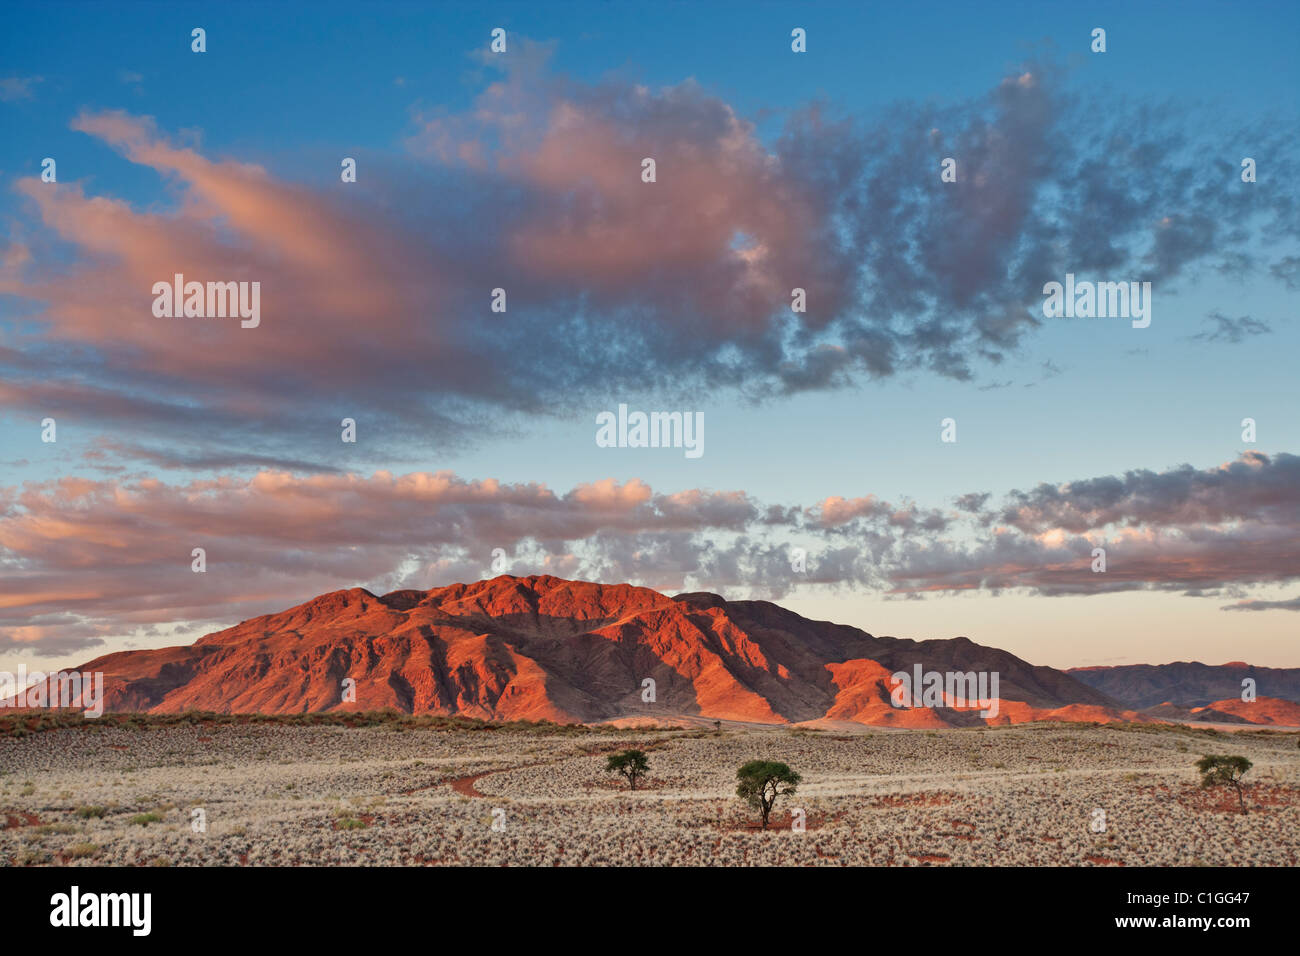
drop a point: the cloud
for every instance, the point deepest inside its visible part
(14, 88)
(1287, 271)
(105, 453)
(85, 559)
(1290, 605)
(375, 295)
(1183, 529)
(1254, 488)
(1233, 331)
(107, 555)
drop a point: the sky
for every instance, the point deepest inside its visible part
(523, 170)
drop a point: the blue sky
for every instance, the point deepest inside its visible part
(292, 88)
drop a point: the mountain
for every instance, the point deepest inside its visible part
(1189, 684)
(545, 648)
(1261, 710)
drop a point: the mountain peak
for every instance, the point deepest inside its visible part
(702, 599)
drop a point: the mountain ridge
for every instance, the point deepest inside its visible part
(1189, 684)
(542, 647)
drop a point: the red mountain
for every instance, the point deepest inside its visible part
(542, 647)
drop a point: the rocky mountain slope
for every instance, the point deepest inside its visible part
(545, 648)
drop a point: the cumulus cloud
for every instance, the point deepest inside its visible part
(86, 559)
(107, 553)
(1254, 488)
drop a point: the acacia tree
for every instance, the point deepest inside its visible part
(1224, 771)
(762, 781)
(630, 763)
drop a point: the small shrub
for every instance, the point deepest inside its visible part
(61, 828)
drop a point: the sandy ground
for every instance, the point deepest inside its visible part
(380, 795)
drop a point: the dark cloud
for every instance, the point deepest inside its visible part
(1291, 605)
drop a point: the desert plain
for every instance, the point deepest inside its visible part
(188, 791)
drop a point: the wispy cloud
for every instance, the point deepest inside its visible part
(1254, 605)
(13, 88)
(1230, 330)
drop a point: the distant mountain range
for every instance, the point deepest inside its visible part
(545, 648)
(1201, 691)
